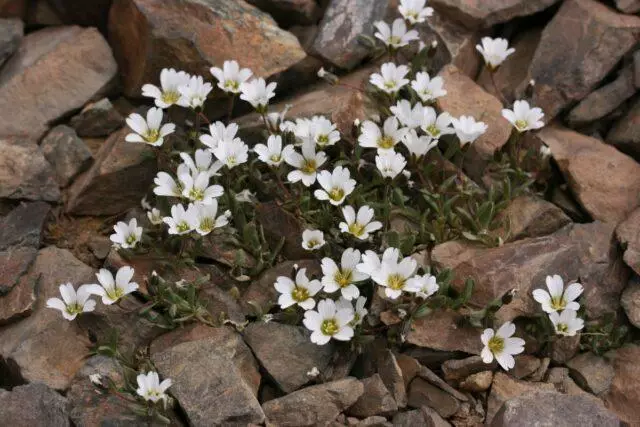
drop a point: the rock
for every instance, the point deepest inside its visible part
(525, 366)
(441, 331)
(74, 64)
(485, 14)
(584, 161)
(25, 174)
(541, 372)
(409, 366)
(455, 370)
(215, 377)
(465, 97)
(427, 374)
(221, 304)
(118, 179)
(530, 216)
(376, 400)
(67, 153)
(278, 223)
(194, 35)
(290, 12)
(505, 388)
(287, 353)
(421, 393)
(389, 370)
(591, 372)
(33, 405)
(623, 397)
(583, 251)
(478, 382)
(628, 234)
(625, 133)
(80, 13)
(630, 302)
(571, 59)
(23, 226)
(563, 383)
(604, 100)
(19, 300)
(628, 6)
(315, 405)
(375, 421)
(11, 32)
(563, 349)
(97, 120)
(13, 265)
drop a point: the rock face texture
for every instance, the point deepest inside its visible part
(34, 405)
(486, 13)
(149, 35)
(25, 174)
(628, 233)
(11, 32)
(625, 133)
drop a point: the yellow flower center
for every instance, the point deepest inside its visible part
(308, 167)
(232, 161)
(275, 158)
(231, 85)
(196, 194)
(182, 226)
(396, 282)
(329, 327)
(313, 243)
(151, 135)
(207, 224)
(496, 344)
(433, 130)
(115, 294)
(391, 84)
(386, 142)
(74, 308)
(131, 239)
(343, 278)
(356, 229)
(300, 294)
(336, 194)
(393, 40)
(558, 303)
(170, 97)
(521, 124)
(561, 327)
(322, 140)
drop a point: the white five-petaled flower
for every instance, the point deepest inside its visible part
(272, 153)
(258, 93)
(232, 152)
(306, 164)
(424, 286)
(154, 216)
(343, 277)
(300, 292)
(276, 120)
(312, 239)
(195, 92)
(372, 263)
(360, 225)
(219, 132)
(329, 321)
(436, 125)
(149, 131)
(167, 186)
(427, 88)
(408, 116)
(467, 129)
(110, 289)
(126, 235)
(207, 219)
(418, 145)
(391, 78)
(494, 51)
(390, 164)
(395, 276)
(151, 389)
(558, 298)
(395, 36)
(523, 117)
(167, 94)
(359, 311)
(181, 221)
(415, 11)
(566, 323)
(384, 140)
(501, 346)
(203, 163)
(231, 76)
(197, 189)
(336, 186)
(323, 132)
(72, 302)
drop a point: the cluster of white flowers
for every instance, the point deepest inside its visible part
(561, 305)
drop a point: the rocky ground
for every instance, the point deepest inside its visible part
(71, 70)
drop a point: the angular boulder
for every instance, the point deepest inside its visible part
(33, 405)
(97, 120)
(623, 397)
(11, 32)
(625, 133)
(505, 388)
(529, 216)
(67, 153)
(24, 226)
(628, 233)
(486, 13)
(441, 330)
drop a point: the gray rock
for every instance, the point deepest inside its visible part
(376, 400)
(563, 383)
(374, 421)
(525, 366)
(427, 374)
(422, 393)
(419, 417)
(487, 13)
(389, 370)
(97, 119)
(591, 372)
(630, 302)
(628, 234)
(11, 32)
(345, 20)
(628, 6)
(563, 348)
(455, 370)
(13, 264)
(67, 153)
(19, 301)
(33, 405)
(315, 405)
(23, 226)
(625, 133)
(505, 387)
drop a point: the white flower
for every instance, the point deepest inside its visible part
(523, 117)
(112, 290)
(494, 51)
(197, 189)
(230, 76)
(126, 235)
(168, 94)
(323, 132)
(545, 151)
(428, 89)
(415, 11)
(371, 262)
(219, 132)
(301, 129)
(360, 225)
(300, 292)
(384, 140)
(566, 323)
(499, 345)
(390, 164)
(360, 311)
(391, 78)
(96, 379)
(148, 131)
(166, 185)
(155, 216)
(329, 321)
(336, 186)
(181, 221)
(436, 125)
(409, 117)
(72, 302)
(207, 219)
(397, 36)
(203, 163)
(424, 286)
(394, 276)
(258, 93)
(343, 278)
(558, 298)
(418, 145)
(312, 239)
(232, 152)
(314, 372)
(306, 164)
(151, 389)
(467, 129)
(276, 119)
(271, 153)
(194, 93)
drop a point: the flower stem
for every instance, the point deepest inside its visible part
(232, 100)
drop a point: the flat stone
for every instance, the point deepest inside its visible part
(630, 302)
(118, 179)
(455, 370)
(193, 36)
(486, 13)
(441, 331)
(66, 152)
(287, 353)
(19, 301)
(525, 366)
(315, 405)
(623, 397)
(477, 382)
(97, 119)
(571, 58)
(409, 366)
(215, 376)
(628, 234)
(23, 226)
(563, 349)
(74, 64)
(563, 383)
(505, 388)
(278, 223)
(625, 133)
(584, 161)
(343, 23)
(591, 372)
(290, 12)
(376, 400)
(11, 33)
(422, 393)
(221, 304)
(628, 6)
(33, 405)
(391, 374)
(541, 372)
(374, 421)
(25, 173)
(427, 374)
(13, 265)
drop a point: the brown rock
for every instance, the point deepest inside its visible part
(194, 35)
(13, 8)
(427, 374)
(33, 405)
(625, 133)
(74, 64)
(563, 349)
(584, 161)
(290, 12)
(13, 265)
(486, 13)
(630, 302)
(376, 400)
(563, 383)
(628, 6)
(573, 56)
(525, 366)
(419, 417)
(97, 119)
(623, 397)
(455, 370)
(441, 331)
(422, 393)
(278, 223)
(591, 372)
(392, 377)
(23, 226)
(19, 301)
(67, 153)
(409, 366)
(11, 32)
(505, 388)
(541, 372)
(478, 382)
(628, 234)
(221, 304)
(25, 173)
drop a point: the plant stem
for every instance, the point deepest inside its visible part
(495, 86)
(232, 100)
